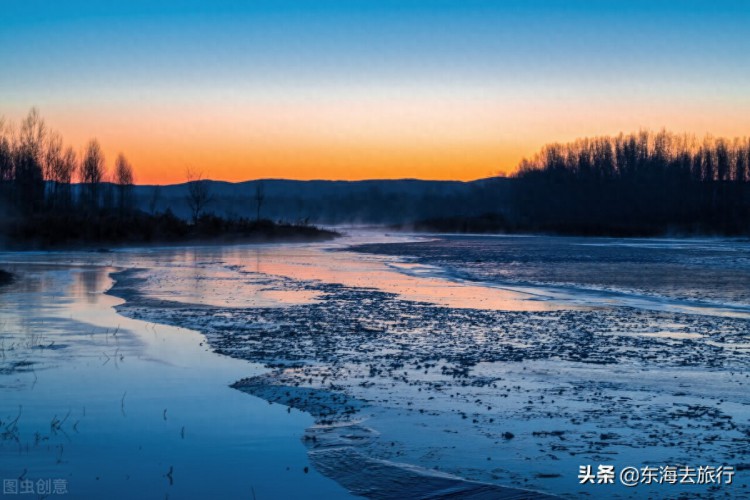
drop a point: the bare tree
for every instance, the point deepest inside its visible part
(68, 167)
(124, 181)
(7, 169)
(199, 193)
(53, 156)
(28, 162)
(7, 146)
(33, 134)
(92, 172)
(53, 162)
(260, 196)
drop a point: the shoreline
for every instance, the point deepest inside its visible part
(81, 232)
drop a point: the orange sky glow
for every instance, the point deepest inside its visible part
(455, 138)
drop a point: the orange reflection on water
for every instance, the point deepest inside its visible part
(366, 271)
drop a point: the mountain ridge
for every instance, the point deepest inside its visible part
(377, 201)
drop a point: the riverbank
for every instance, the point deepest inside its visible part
(69, 231)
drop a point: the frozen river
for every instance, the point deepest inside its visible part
(401, 366)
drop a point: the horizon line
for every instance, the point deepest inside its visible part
(374, 179)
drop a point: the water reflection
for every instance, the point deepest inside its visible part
(279, 275)
(276, 276)
(130, 401)
(89, 281)
(524, 274)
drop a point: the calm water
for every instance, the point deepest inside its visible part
(135, 401)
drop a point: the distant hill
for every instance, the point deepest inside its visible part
(339, 202)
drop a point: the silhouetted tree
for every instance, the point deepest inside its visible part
(32, 135)
(7, 170)
(64, 176)
(124, 180)
(92, 174)
(199, 194)
(54, 169)
(28, 166)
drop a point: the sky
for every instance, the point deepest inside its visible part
(358, 89)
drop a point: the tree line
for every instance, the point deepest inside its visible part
(37, 173)
(52, 196)
(643, 183)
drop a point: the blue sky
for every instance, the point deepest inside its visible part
(79, 57)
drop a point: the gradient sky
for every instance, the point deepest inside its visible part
(368, 89)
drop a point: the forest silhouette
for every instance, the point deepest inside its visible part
(642, 183)
(41, 205)
(639, 184)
